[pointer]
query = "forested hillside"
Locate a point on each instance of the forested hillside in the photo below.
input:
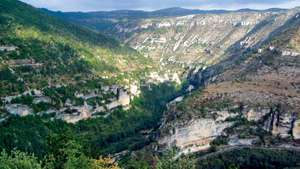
(46, 51)
(53, 72)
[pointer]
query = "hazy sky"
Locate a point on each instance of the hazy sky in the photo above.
(97, 5)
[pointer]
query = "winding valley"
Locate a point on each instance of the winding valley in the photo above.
(211, 84)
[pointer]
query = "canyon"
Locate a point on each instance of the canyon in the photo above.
(125, 83)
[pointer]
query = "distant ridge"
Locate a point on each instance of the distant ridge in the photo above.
(137, 14)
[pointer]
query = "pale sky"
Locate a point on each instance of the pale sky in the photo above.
(106, 5)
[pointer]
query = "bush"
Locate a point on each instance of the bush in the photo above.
(19, 160)
(170, 160)
(251, 158)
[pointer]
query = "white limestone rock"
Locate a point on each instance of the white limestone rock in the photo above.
(256, 115)
(235, 141)
(175, 78)
(195, 136)
(99, 109)
(124, 98)
(8, 48)
(42, 99)
(19, 109)
(81, 113)
(279, 124)
(113, 105)
(296, 130)
(134, 90)
(190, 88)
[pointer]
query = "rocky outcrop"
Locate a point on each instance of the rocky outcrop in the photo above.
(123, 98)
(78, 113)
(8, 48)
(296, 130)
(235, 141)
(104, 100)
(168, 76)
(19, 109)
(280, 123)
(203, 39)
(195, 136)
(256, 115)
(41, 99)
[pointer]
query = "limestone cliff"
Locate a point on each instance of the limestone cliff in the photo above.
(259, 90)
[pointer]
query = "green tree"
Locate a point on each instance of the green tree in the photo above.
(19, 160)
(170, 160)
(65, 152)
(77, 162)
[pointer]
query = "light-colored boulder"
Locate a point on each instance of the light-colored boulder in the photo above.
(134, 90)
(256, 115)
(114, 89)
(82, 113)
(296, 130)
(176, 100)
(99, 109)
(224, 115)
(175, 78)
(113, 105)
(190, 88)
(235, 141)
(290, 53)
(19, 109)
(105, 88)
(70, 118)
(42, 99)
(124, 98)
(8, 48)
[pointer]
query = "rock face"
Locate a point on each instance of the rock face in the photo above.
(124, 98)
(105, 100)
(262, 88)
(195, 136)
(200, 39)
(156, 77)
(296, 130)
(42, 99)
(280, 124)
(79, 113)
(19, 109)
(256, 115)
(235, 141)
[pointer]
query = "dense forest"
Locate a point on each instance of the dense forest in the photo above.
(59, 52)
(93, 138)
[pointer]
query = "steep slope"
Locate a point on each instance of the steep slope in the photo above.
(254, 101)
(107, 21)
(192, 40)
(66, 89)
(47, 64)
